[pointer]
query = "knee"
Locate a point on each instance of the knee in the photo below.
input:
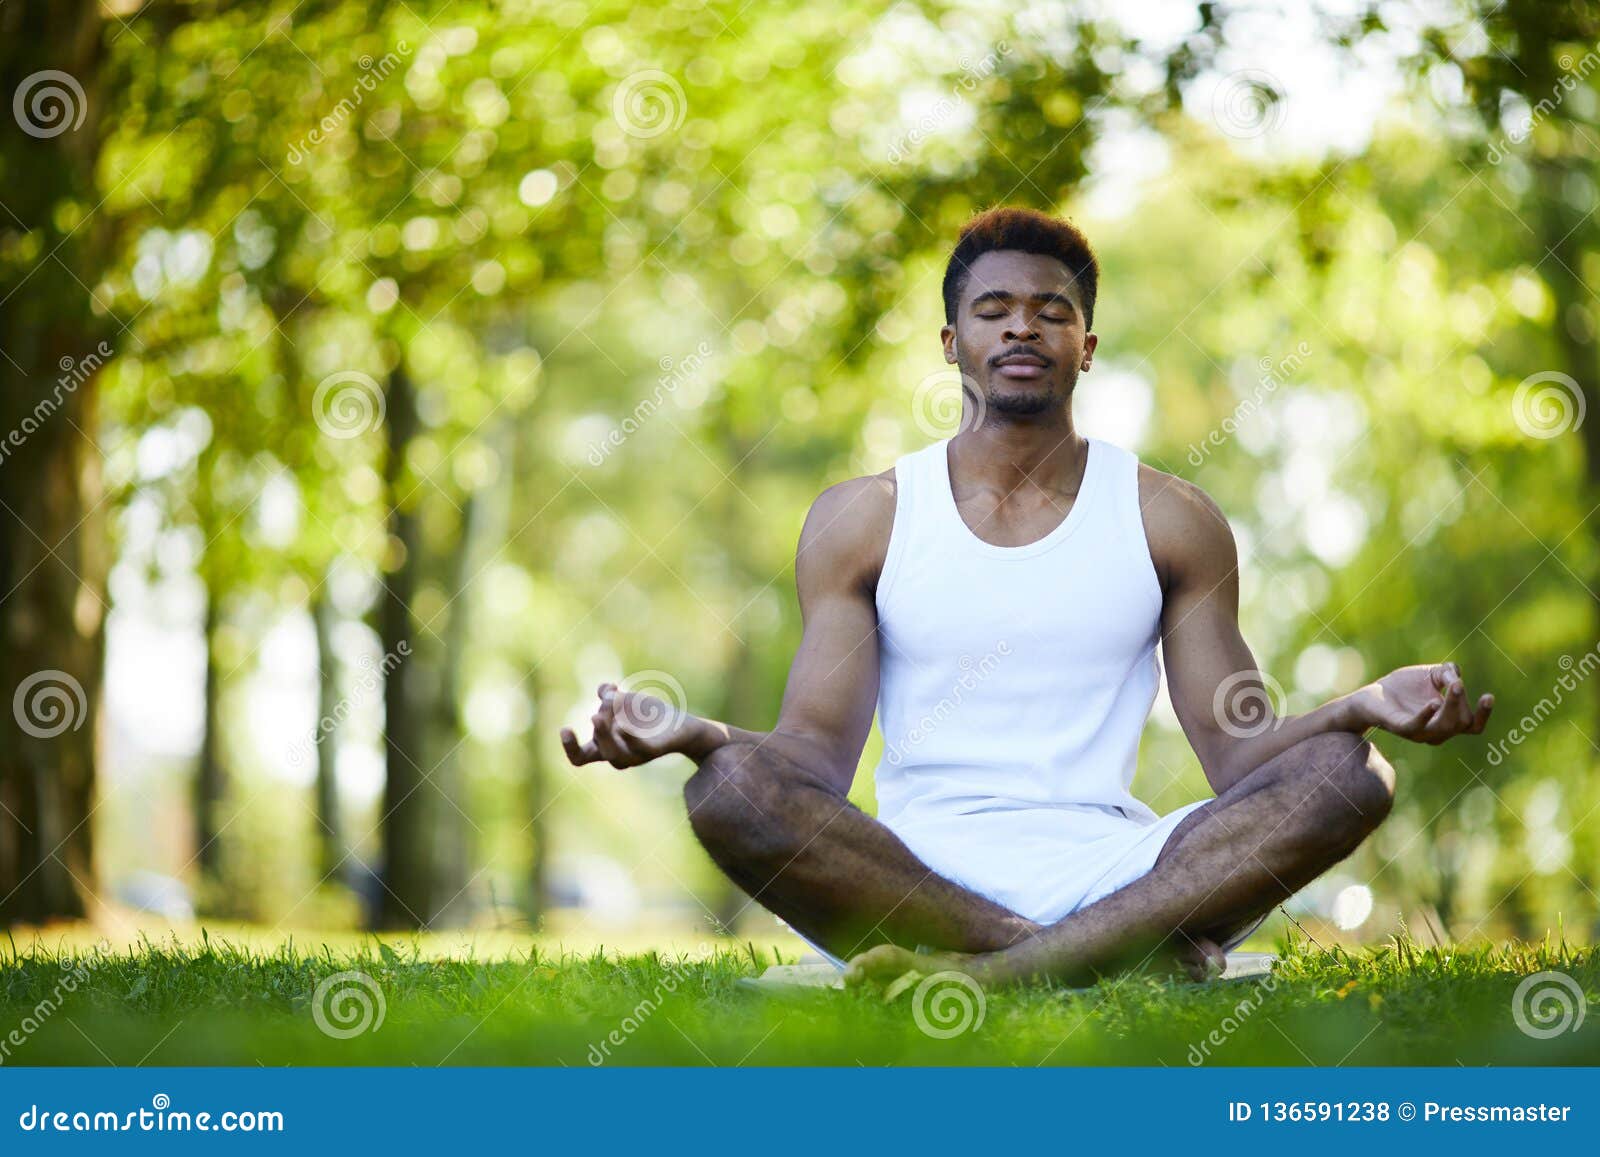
(1350, 785)
(735, 804)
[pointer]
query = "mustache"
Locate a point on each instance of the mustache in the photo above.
(1021, 351)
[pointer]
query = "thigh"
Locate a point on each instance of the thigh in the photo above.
(1293, 772)
(1265, 776)
(1271, 774)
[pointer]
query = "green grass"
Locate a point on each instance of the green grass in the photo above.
(221, 1003)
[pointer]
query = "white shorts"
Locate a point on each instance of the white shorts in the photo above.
(1044, 863)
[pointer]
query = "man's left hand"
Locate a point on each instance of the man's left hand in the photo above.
(1425, 703)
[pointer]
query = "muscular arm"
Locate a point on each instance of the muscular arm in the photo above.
(1217, 690)
(832, 689)
(1220, 695)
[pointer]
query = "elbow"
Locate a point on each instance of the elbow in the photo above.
(820, 755)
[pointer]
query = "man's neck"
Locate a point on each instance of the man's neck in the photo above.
(1047, 453)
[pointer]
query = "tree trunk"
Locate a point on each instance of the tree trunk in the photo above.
(537, 902)
(407, 900)
(1562, 239)
(330, 831)
(51, 567)
(446, 782)
(210, 781)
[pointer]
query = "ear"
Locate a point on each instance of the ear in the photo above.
(947, 334)
(1089, 342)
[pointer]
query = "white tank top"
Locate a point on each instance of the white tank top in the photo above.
(1015, 677)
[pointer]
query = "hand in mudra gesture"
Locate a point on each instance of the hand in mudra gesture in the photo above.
(1425, 703)
(630, 728)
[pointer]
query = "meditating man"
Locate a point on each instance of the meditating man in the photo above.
(998, 596)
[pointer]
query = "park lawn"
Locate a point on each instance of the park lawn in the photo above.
(221, 1003)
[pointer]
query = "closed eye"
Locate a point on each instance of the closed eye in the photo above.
(1042, 317)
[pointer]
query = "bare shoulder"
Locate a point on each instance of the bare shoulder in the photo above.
(1187, 531)
(846, 532)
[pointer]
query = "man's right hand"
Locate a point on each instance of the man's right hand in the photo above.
(631, 728)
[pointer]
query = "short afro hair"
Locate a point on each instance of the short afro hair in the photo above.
(1014, 227)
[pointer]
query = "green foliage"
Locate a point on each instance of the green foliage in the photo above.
(448, 192)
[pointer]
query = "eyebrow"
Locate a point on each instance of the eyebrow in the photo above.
(1005, 295)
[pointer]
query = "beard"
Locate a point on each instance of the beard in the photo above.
(1020, 404)
(1002, 398)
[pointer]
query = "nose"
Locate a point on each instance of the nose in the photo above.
(1021, 331)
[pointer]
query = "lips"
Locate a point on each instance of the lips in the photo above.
(1021, 366)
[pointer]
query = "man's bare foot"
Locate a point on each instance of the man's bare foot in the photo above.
(1197, 957)
(1193, 957)
(883, 965)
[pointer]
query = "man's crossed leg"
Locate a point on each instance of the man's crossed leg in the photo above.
(845, 881)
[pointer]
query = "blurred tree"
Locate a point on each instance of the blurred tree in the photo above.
(52, 566)
(534, 318)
